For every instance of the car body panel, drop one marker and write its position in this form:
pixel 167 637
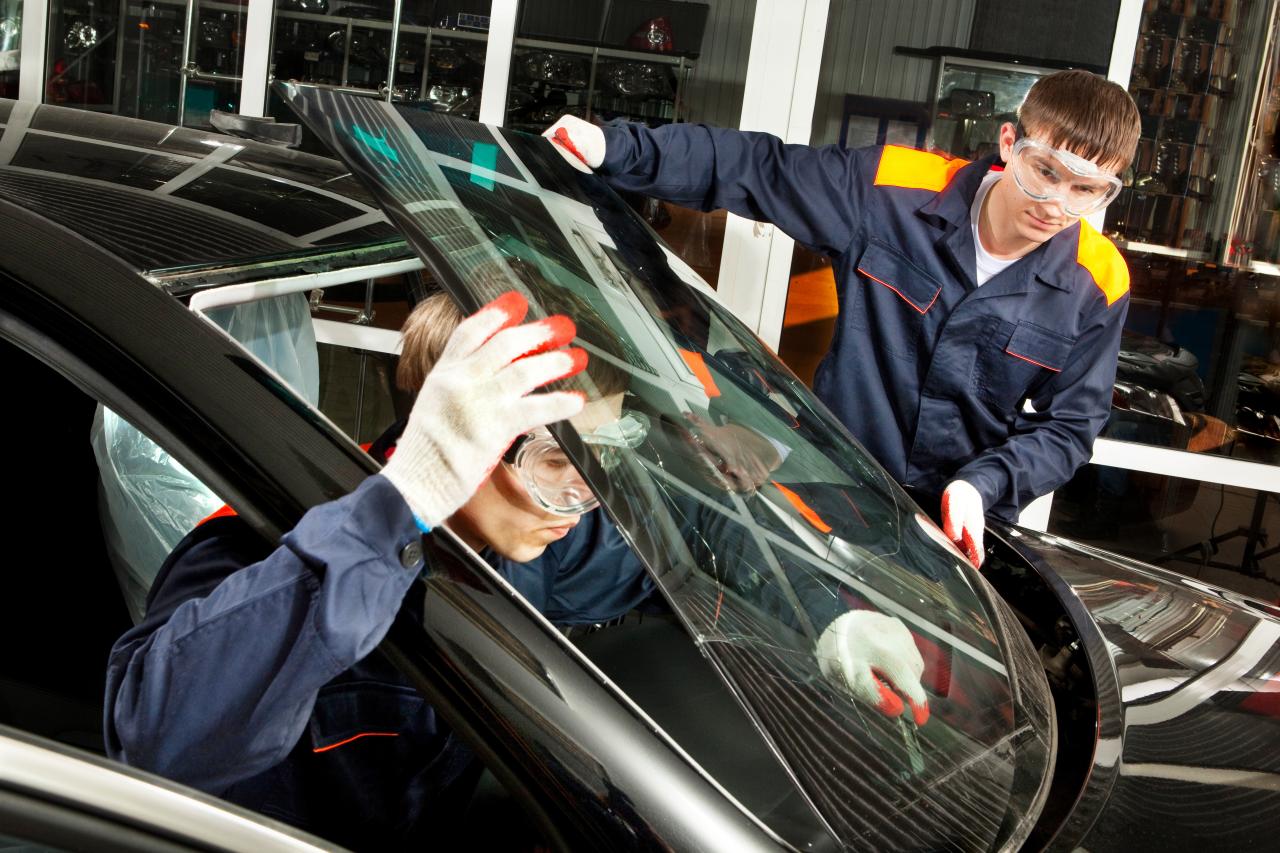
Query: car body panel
pixel 1187 680
pixel 165 198
pixel 45 770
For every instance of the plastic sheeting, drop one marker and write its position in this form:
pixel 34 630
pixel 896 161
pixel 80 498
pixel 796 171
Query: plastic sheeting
pixel 147 500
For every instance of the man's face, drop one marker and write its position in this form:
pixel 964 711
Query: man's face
pixel 502 516
pixel 1033 221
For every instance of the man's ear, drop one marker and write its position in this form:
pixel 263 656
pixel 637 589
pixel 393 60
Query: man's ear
pixel 1008 136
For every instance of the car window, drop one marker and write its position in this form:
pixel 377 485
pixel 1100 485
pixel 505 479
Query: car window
pixel 757 515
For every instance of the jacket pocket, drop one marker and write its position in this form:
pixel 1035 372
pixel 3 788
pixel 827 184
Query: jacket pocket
pixel 1017 359
pixel 884 267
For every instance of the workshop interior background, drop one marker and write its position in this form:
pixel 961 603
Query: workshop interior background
pixel 1198 222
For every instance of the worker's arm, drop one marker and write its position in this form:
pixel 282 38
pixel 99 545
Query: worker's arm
pixel 217 683
pixel 1071 408
pixel 812 194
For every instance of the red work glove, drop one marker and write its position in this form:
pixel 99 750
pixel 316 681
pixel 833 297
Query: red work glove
pixel 875 659
pixel 581 142
pixel 963 519
pixel 477 400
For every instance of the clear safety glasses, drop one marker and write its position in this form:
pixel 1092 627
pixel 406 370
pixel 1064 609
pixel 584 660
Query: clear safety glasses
pixel 551 479
pixel 1049 174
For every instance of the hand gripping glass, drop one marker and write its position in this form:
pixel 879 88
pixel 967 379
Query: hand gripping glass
pixel 550 478
pixel 1050 174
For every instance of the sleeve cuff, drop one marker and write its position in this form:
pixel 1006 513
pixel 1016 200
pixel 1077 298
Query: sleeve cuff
pixel 617 147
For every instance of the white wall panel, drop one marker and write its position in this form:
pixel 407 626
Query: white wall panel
pixel 859 60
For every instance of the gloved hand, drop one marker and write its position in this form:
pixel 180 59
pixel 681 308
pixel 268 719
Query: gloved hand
pixel 581 142
pixel 872 655
pixel 963 519
pixel 476 401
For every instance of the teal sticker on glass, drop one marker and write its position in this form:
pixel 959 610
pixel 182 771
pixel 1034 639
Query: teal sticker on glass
pixel 484 155
pixel 376 143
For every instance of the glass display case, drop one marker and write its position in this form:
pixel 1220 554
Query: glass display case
pixel 972 97
pixel 10 46
pixel 1255 226
pixel 626 59
pixel 439 48
pixel 165 60
pixel 1193 64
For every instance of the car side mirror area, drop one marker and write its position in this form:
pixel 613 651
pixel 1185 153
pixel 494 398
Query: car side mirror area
pixel 258 128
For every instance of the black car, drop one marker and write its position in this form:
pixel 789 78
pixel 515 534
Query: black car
pixel 190 319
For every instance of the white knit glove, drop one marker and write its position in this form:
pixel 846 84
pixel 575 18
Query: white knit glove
pixel 872 655
pixel 476 401
pixel 581 142
pixel 963 519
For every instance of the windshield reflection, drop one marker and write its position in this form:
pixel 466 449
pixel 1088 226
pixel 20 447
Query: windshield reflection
pixel 757 515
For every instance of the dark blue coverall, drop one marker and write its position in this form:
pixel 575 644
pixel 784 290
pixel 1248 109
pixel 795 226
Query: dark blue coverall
pixel 250 677
pixel 927 370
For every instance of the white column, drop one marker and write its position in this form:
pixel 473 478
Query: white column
pixel 1123 46
pixel 778 97
pixel 497 61
pixel 257 58
pixel 1125 42
pixel 31 70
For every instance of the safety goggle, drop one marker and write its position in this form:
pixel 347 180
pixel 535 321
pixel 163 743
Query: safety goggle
pixel 549 476
pixel 1046 173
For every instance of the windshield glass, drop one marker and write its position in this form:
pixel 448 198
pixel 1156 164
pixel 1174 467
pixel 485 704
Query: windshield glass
pixel 758 516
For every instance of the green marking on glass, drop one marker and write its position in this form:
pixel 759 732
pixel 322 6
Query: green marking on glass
pixel 484 155
pixel 377 143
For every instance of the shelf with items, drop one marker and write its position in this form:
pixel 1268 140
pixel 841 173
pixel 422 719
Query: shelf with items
pixel 1255 229
pixel 973 93
pixel 1187 72
pixel 549 79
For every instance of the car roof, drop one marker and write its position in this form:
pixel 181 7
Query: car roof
pixel 183 202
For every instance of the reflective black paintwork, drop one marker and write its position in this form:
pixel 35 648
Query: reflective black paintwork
pixel 161 197
pixel 593 773
pixel 1186 751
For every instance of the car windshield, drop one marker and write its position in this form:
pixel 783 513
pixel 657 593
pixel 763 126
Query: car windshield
pixel 758 516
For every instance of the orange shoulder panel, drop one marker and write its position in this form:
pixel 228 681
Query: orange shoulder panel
pixel 1103 260
pixel 915 170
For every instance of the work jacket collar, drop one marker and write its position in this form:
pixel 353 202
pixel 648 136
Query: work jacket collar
pixel 1052 263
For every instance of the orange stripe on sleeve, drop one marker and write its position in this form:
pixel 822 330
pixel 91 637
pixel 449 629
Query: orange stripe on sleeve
pixel 695 362
pixel 355 737
pixel 915 170
pixel 803 508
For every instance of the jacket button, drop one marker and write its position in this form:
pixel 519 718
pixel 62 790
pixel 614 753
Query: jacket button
pixel 411 555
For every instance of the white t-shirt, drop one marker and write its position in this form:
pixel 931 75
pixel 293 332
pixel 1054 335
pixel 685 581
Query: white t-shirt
pixel 987 266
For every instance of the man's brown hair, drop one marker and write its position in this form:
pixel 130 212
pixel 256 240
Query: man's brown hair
pixel 1084 114
pixel 428 327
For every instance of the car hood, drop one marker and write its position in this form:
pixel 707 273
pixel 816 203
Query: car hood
pixel 758 516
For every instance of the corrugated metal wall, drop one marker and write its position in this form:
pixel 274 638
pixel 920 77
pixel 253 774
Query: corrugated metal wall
pixel 714 95
pixel 858 57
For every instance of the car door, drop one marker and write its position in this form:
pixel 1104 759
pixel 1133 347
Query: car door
pixel 55 799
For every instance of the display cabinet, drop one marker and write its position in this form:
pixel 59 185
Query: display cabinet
pixel 972 98
pixel 1255 224
pixel 1194 64
pixel 165 60
pixel 10 46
